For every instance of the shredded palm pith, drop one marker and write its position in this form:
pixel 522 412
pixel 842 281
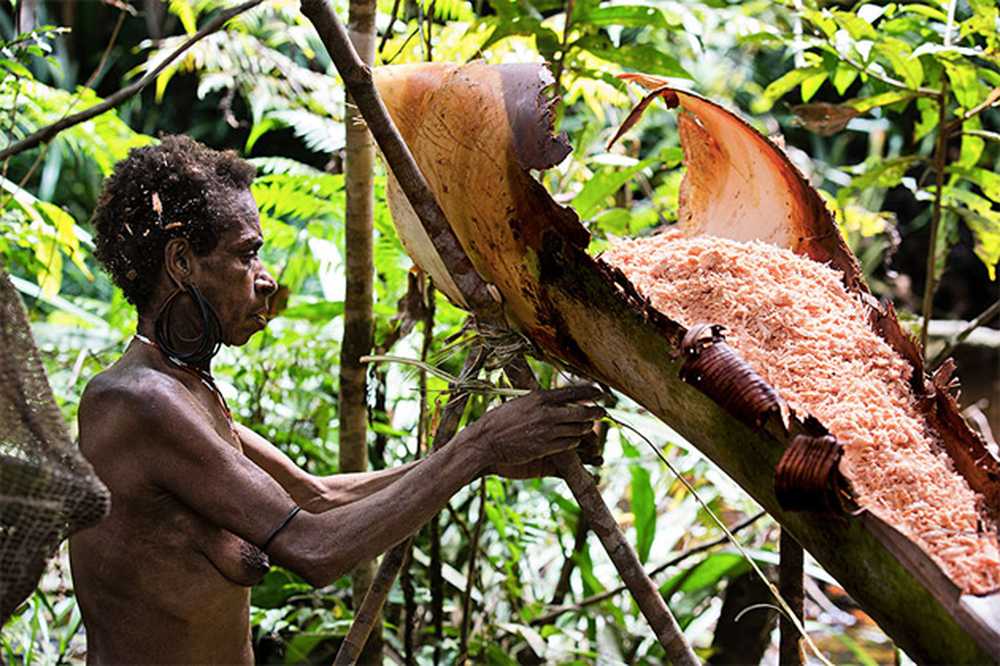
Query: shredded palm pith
pixel 792 319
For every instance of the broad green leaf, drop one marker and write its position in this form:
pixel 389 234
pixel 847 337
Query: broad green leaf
pixel 857 27
pixel 984 223
pixel 898 53
pixel 988 182
pixel 786 83
pixel 644 510
pixel 928 120
pixel 964 83
pixel 884 99
pixel 639 16
pixel 811 85
pixel 706 574
pixel 186 13
pixel 843 78
pixel 822 20
pixel 15 68
pixel 972 145
pixel 602 185
pixel 884 173
pixel 924 10
pixel 321 311
pixel 640 57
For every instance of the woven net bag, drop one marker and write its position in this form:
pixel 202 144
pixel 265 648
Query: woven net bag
pixel 47 490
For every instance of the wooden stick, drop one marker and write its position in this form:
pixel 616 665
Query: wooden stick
pixel 48 132
pixel 358 81
pixel 790 584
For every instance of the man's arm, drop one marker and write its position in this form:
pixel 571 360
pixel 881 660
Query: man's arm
pixel 315 494
pixel 191 461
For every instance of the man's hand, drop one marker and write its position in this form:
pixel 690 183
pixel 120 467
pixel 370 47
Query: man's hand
pixel 533 427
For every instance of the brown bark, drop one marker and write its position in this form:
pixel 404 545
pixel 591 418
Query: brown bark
pixel 358 319
pixel 743 640
pixel 790 584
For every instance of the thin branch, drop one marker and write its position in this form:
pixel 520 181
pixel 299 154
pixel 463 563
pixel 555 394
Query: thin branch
pixel 940 159
pixel 46 133
pixel 553 614
pixel 470 579
pixel 991 100
pixel 984 317
pixel 388 31
pixel 561 63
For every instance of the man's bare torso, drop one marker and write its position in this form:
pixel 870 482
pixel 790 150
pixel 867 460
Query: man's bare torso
pixel 155 578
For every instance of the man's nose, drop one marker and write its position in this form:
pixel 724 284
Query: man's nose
pixel 265 284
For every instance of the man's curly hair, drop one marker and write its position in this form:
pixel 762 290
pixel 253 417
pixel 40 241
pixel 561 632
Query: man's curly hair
pixel 178 188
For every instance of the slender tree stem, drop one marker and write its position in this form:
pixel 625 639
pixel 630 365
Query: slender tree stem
pixel 46 133
pixel 790 584
pixel 984 318
pixel 463 645
pixel 940 159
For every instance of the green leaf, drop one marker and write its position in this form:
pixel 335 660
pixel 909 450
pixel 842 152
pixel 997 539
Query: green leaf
pixel 15 68
pixel 644 510
pixel 706 574
pixel 988 182
pixel 928 120
pixel 868 103
pixel 639 16
pixel 972 145
pixel 898 53
pixel 786 83
pixel 602 185
pixel 857 27
pixel 984 223
pixel 964 83
pixel 811 85
pixel 321 311
pixel 884 173
pixel 843 78
pixel 640 57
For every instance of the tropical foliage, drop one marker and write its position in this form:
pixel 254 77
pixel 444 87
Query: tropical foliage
pixel 887 107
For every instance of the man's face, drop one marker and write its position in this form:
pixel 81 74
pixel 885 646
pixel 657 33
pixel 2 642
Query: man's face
pixel 232 278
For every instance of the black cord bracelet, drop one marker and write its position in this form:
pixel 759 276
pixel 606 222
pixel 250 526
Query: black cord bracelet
pixel 281 526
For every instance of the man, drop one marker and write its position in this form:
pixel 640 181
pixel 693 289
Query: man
pixel 201 504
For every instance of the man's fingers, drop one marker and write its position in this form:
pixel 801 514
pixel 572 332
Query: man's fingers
pixel 574 393
pixel 573 413
pixel 577 430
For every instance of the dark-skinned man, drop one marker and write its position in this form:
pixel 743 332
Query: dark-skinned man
pixel 201 504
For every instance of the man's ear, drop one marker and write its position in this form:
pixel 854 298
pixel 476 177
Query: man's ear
pixel 177 257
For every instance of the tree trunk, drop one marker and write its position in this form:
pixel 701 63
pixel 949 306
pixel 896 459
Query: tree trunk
pixel 358 323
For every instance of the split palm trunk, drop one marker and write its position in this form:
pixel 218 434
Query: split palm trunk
pixel 476 131
pixel 358 319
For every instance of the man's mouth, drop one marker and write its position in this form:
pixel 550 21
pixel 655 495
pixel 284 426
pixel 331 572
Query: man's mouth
pixel 260 317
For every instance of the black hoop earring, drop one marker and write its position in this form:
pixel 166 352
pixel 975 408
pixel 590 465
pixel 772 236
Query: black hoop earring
pixel 206 345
